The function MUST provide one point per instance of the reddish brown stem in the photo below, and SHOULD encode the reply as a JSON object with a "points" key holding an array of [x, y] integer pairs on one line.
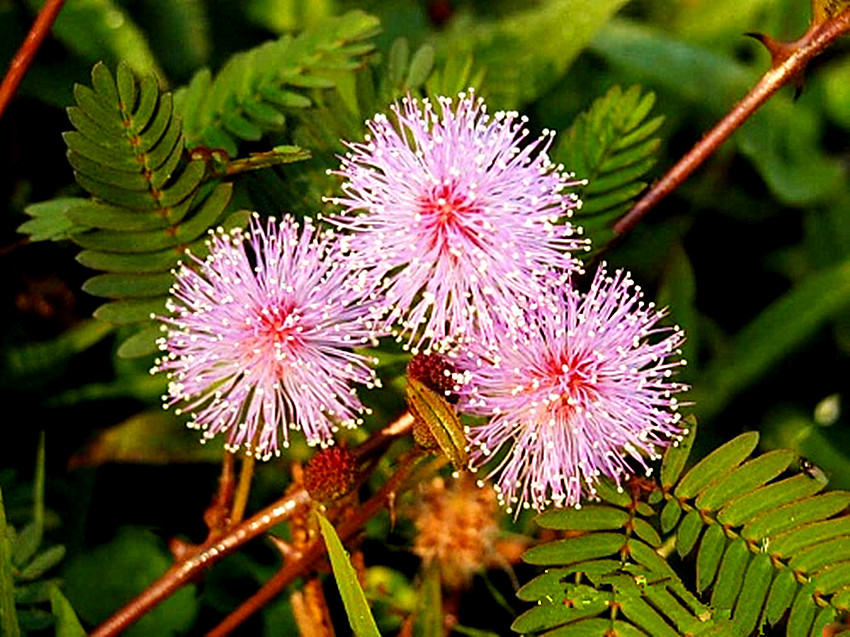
{"points": [[205, 555], [25, 55], [815, 40], [346, 529], [217, 547]]}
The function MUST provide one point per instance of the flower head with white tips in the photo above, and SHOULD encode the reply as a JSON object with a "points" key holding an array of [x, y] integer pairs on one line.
{"points": [[585, 392], [261, 336], [460, 219]]}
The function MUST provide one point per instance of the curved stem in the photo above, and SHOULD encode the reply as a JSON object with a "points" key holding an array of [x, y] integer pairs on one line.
{"points": [[347, 528], [243, 489], [202, 558], [26, 54], [219, 546], [815, 40]]}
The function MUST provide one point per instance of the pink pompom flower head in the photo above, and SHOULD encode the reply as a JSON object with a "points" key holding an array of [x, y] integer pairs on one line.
{"points": [[457, 217], [261, 335], [585, 392]]}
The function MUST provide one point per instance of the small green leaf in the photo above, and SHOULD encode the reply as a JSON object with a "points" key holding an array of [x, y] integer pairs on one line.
{"points": [[708, 557], [67, 624], [791, 541], [42, 562], [677, 454], [131, 310], [577, 549], [731, 575], [802, 611], [129, 285], [820, 555], [833, 578], [753, 593], [554, 578], [8, 617], [581, 602], [356, 607], [646, 618], [50, 219], [587, 518], [96, 214], [686, 536], [717, 464], [148, 103], [780, 596], [670, 515], [768, 497], [420, 66], [793, 515], [646, 556], [646, 532], [750, 475], [27, 541], [142, 343]]}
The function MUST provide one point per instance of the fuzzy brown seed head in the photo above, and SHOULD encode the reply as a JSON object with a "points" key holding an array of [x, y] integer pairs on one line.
{"points": [[331, 473], [456, 527], [436, 372]]}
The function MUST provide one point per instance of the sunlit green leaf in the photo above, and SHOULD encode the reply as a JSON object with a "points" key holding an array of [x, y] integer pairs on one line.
{"points": [[359, 616], [717, 464]]}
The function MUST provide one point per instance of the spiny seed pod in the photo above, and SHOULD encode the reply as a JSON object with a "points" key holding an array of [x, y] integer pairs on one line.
{"points": [[330, 474]]}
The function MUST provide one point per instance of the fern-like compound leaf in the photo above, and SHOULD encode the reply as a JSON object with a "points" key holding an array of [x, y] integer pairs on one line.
{"points": [[255, 90], [148, 202], [611, 146], [767, 543]]}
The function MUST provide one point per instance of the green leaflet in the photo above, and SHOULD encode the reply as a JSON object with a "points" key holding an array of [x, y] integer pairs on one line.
{"points": [[730, 575], [747, 477], [589, 518], [709, 554], [792, 515], [753, 593], [578, 549], [716, 464], [246, 97], [356, 606], [767, 498], [8, 616], [611, 146], [780, 595], [677, 454]]}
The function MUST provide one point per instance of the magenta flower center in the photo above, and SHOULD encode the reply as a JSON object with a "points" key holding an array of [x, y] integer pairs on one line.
{"points": [[572, 384], [276, 338], [442, 213]]}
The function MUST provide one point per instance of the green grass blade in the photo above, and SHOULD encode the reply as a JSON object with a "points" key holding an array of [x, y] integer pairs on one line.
{"points": [[356, 606]]}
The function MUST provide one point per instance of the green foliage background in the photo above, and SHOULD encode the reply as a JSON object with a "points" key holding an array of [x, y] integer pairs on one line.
{"points": [[752, 256]]}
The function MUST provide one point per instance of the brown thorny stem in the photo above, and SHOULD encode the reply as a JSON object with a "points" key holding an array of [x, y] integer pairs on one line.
{"points": [[783, 70], [221, 545], [26, 54]]}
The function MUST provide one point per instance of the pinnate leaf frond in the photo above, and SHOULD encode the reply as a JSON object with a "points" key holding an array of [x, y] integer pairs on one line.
{"points": [[611, 146], [255, 90], [148, 202], [768, 545]]}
